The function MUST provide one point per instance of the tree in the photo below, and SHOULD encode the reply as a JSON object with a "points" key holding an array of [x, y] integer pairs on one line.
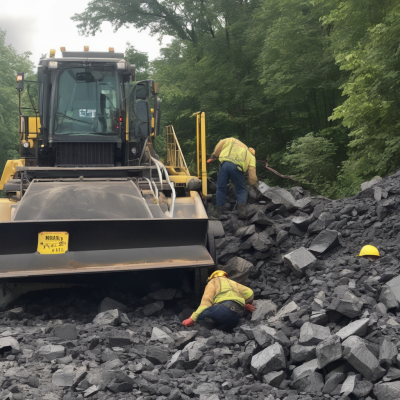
{"points": [[140, 60], [371, 55], [10, 64]]}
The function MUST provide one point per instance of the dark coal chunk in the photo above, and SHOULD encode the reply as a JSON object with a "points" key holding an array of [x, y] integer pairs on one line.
{"points": [[326, 240]]}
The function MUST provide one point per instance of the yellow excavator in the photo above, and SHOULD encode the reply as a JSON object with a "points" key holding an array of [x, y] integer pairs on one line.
{"points": [[89, 194]]}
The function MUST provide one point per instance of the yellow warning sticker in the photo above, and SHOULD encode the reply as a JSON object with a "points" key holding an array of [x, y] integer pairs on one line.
{"points": [[52, 242]]}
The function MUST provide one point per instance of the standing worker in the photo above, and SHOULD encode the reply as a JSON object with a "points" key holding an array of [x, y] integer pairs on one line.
{"points": [[236, 159], [224, 301]]}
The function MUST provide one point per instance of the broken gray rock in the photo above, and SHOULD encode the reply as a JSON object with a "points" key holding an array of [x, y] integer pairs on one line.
{"points": [[261, 218], [356, 353], [280, 196], [333, 381], [110, 317], [347, 304], [274, 378], [264, 308], [305, 369], [301, 353], [182, 338], [387, 353], [238, 269], [394, 285], [52, 351], [388, 298], [152, 308], [372, 182], [387, 391], [157, 355], [66, 331], [356, 328], [299, 261], [265, 335], [312, 383], [302, 223], [9, 341], [362, 389], [207, 389], [349, 384], [328, 350], [270, 359], [111, 304], [159, 335], [312, 334], [67, 376], [326, 240]]}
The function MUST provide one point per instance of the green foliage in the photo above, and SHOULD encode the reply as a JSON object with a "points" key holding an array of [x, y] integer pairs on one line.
{"points": [[371, 109], [10, 64], [140, 60], [310, 159]]}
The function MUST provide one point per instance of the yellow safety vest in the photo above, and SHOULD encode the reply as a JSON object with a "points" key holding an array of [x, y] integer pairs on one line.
{"points": [[237, 155]]}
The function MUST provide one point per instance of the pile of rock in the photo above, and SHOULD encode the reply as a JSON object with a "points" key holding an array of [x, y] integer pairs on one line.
{"points": [[325, 325]]}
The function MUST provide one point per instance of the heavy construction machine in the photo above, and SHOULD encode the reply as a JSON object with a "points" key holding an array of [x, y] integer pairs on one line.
{"points": [[89, 193]]}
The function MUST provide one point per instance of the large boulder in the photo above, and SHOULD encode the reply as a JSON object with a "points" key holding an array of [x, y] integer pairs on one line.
{"points": [[326, 240], [299, 260], [238, 269], [387, 391], [270, 359], [356, 353], [312, 334], [264, 308], [347, 304], [356, 328], [328, 350]]}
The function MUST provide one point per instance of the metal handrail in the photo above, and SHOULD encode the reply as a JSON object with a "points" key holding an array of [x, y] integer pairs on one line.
{"points": [[174, 157], [171, 213]]}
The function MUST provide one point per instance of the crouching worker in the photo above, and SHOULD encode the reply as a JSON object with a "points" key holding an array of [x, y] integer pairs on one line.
{"points": [[224, 302], [370, 252]]}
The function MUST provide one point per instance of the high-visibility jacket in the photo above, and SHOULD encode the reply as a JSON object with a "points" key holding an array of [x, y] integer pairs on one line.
{"points": [[236, 152], [221, 289]]}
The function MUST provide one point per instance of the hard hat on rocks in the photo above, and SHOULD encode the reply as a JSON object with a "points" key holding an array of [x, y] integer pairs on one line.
{"points": [[252, 151], [369, 250], [218, 273]]}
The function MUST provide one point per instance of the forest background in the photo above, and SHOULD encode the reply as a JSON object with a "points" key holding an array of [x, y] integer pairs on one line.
{"points": [[312, 85]]}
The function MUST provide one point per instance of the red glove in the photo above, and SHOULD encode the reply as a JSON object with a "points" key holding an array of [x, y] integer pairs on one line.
{"points": [[210, 160], [188, 322], [249, 307]]}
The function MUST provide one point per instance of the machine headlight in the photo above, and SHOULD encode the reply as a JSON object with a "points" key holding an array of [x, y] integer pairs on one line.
{"points": [[121, 64], [53, 64]]}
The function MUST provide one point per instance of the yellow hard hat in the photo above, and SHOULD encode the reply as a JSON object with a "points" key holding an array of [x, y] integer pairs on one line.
{"points": [[252, 151], [369, 250], [218, 273]]}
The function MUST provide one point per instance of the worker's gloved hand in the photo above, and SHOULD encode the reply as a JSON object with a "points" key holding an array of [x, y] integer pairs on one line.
{"points": [[210, 160], [249, 307], [188, 322]]}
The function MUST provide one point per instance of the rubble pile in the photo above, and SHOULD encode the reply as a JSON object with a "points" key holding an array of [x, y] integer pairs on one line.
{"points": [[325, 325]]}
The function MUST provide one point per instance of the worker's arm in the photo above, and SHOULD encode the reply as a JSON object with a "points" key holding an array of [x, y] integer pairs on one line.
{"points": [[207, 300], [218, 149], [247, 293], [252, 176]]}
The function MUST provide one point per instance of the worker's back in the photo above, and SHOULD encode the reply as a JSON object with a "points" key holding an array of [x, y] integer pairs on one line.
{"points": [[236, 152]]}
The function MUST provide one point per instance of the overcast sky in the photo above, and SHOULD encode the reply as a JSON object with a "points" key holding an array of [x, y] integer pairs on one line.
{"points": [[40, 25]]}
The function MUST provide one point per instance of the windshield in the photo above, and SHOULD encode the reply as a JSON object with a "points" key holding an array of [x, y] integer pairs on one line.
{"points": [[87, 102]]}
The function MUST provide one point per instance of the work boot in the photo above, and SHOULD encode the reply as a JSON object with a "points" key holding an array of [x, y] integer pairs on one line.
{"points": [[242, 211], [220, 211]]}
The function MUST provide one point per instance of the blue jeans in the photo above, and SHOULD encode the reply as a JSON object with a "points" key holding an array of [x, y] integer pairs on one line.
{"points": [[223, 317], [228, 170]]}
